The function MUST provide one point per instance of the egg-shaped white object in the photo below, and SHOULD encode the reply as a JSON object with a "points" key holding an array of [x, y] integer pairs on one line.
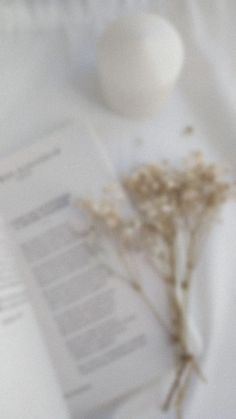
{"points": [[139, 61]]}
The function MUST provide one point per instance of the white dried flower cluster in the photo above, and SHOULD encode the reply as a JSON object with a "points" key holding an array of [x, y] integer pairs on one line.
{"points": [[167, 202], [112, 220], [106, 213], [166, 195]]}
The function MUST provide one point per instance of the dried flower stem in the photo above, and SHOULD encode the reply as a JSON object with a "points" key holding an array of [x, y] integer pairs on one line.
{"points": [[168, 203], [135, 284], [182, 392]]}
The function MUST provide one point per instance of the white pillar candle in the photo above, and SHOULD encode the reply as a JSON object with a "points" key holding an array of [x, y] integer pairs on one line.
{"points": [[29, 388], [139, 61]]}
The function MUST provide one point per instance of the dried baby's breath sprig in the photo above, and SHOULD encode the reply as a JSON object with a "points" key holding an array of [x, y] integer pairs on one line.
{"points": [[172, 211]]}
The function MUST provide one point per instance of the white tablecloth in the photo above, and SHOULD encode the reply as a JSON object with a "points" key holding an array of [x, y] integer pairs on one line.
{"points": [[47, 74]]}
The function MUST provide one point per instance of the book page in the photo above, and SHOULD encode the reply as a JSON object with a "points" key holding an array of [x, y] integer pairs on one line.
{"points": [[102, 339], [28, 389]]}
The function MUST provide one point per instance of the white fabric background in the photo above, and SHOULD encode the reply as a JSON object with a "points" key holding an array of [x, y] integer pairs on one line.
{"points": [[47, 74]]}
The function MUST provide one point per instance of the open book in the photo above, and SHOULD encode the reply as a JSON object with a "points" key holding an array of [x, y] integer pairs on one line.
{"points": [[103, 341]]}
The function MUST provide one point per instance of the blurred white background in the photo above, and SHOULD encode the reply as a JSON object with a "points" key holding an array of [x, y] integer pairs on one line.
{"points": [[48, 74]]}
